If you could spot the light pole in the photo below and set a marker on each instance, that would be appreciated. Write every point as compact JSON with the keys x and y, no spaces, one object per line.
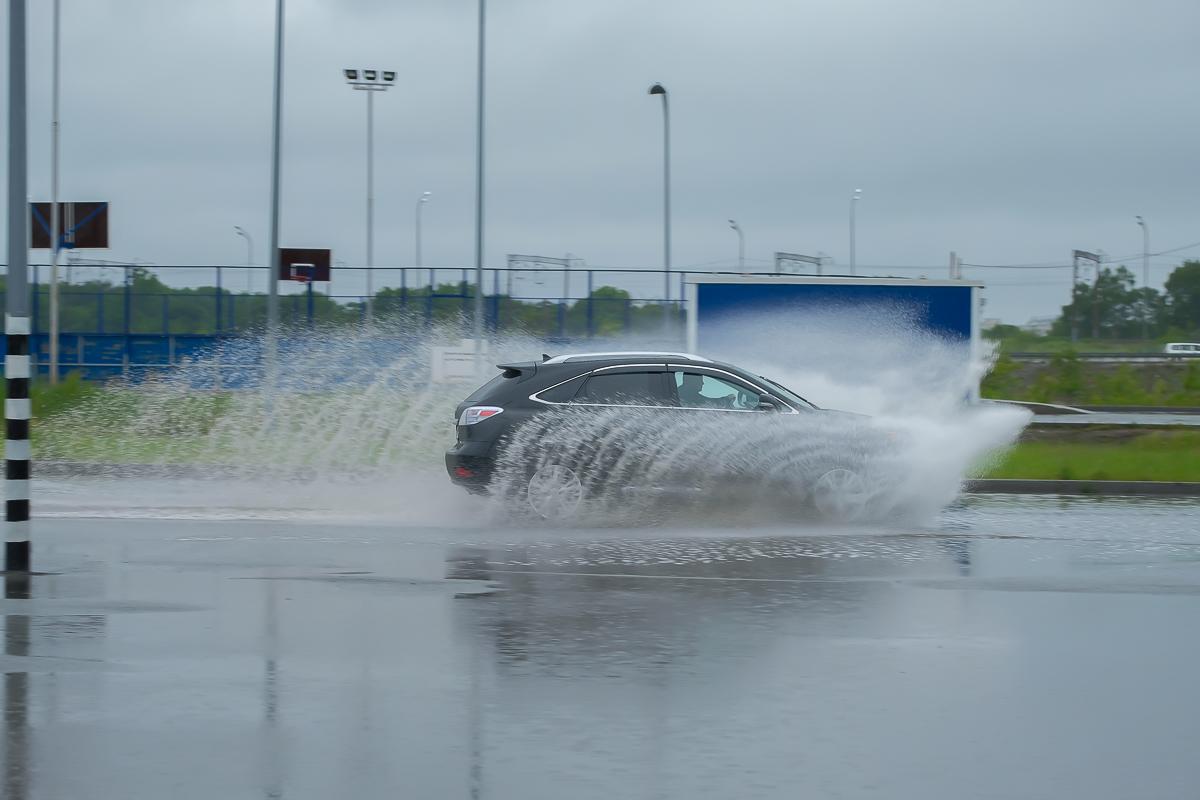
{"x":1145,"y":274}
{"x":477,"y":321}
{"x":240,"y":231}
{"x":661,"y":91}
{"x":741,"y":245}
{"x":273,"y":235}
{"x":369,"y":81}
{"x":419,"y":261}
{"x":55,"y":214}
{"x":853,"y":210}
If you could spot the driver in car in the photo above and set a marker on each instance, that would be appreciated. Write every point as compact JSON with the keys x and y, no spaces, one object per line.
{"x":690,"y":394}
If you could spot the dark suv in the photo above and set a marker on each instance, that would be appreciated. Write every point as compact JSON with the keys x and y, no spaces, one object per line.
{"x":548,"y":434}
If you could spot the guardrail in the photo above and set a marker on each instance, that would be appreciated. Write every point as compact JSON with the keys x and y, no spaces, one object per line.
{"x":1108,"y":356}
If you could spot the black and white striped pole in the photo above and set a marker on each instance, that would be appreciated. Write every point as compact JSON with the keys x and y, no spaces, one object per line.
{"x":16,"y":319}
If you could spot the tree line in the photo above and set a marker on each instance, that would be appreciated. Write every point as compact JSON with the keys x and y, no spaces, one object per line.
{"x":149,"y":306}
{"x":1113,"y":306}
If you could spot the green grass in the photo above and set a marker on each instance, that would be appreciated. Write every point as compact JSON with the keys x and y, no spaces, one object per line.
{"x":49,"y":400}
{"x":1157,"y":456}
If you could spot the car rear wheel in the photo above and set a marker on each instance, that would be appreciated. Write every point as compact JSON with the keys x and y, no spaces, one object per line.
{"x":554,"y":492}
{"x":841,"y":494}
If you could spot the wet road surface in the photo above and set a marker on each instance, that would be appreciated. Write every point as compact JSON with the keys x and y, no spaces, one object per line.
{"x":1016,"y":648}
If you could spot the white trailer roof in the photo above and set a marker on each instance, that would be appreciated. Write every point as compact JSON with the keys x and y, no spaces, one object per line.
{"x":829,"y":279}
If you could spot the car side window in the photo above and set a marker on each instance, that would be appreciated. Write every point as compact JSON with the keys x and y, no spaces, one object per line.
{"x":561,"y":393}
{"x":623,"y":389}
{"x":697,"y":390}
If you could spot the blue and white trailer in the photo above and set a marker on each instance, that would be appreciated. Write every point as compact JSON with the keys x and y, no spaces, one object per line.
{"x":945,"y":310}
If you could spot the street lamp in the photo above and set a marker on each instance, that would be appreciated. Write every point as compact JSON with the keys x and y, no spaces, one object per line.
{"x":853,"y":209}
{"x":1145,"y":274}
{"x":661,"y":91}
{"x":370,"y":81}
{"x":240,"y":231}
{"x":480,"y":94}
{"x":741,"y":245}
{"x":421,"y":201}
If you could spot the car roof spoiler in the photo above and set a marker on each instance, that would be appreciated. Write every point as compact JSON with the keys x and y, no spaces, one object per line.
{"x":523,"y":368}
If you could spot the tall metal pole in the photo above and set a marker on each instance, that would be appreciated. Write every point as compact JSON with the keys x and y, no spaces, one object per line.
{"x":249,"y":255}
{"x":55,"y":219}
{"x":479,"y":127}
{"x":370,"y":207}
{"x":418,"y":260}
{"x":16,"y":323}
{"x":853,"y":239}
{"x":741,"y":245}
{"x":276,"y":137}
{"x":661,"y":91}
{"x":1145,"y":275}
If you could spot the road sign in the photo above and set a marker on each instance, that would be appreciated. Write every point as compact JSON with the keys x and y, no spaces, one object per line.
{"x":304,"y":264}
{"x":82,"y":225}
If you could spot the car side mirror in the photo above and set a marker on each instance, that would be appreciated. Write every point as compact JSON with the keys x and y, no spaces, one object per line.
{"x":768,"y":402}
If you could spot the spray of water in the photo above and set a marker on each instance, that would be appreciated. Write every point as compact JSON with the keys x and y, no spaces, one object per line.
{"x":351,"y":425}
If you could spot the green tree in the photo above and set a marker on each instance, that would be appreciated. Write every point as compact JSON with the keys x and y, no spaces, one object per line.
{"x":1182,"y":307}
{"x":1110,"y":307}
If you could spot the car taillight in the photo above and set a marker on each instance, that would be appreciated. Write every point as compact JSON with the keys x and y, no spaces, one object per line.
{"x":475,"y":414}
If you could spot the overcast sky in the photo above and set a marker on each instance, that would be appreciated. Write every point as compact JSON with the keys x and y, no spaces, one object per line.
{"x":1011,"y":131}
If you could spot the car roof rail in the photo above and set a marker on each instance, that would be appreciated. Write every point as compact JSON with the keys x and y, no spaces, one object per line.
{"x":604,"y":356}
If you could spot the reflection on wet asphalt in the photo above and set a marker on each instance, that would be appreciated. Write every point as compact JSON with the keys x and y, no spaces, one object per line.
{"x":1017,"y":648}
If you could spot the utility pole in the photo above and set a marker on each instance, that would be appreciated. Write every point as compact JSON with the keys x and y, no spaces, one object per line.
{"x":1076,"y":257}
{"x":16,"y":323}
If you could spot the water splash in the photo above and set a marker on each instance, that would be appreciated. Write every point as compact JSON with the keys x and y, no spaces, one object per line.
{"x":352,"y":424}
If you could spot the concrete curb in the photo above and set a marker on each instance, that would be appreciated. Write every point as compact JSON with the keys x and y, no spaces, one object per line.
{"x":1099,"y":488}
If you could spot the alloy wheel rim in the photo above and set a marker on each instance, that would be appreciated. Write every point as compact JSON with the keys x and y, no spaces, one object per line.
{"x":554,"y":492}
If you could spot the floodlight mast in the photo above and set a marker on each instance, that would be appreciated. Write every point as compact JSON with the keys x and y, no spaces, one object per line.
{"x":370,"y":81}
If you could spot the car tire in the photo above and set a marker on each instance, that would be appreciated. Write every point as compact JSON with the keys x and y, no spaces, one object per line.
{"x":841,"y":495}
{"x":554,"y":492}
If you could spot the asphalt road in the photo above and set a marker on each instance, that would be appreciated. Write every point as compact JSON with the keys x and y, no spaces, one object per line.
{"x":1016,"y":647}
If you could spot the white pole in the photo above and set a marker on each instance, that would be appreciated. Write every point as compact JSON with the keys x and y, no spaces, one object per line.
{"x":479,"y":128}
{"x":55,"y":221}
{"x":370,"y":206}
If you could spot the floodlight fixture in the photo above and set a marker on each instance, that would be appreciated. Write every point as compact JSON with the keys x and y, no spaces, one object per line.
{"x":369,"y":74}
{"x":389,"y":76}
{"x":351,"y":74}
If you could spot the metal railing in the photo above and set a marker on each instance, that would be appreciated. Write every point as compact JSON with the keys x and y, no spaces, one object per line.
{"x":126,"y":319}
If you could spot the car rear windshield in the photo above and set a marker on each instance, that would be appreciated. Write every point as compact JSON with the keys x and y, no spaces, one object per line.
{"x":488,"y":388}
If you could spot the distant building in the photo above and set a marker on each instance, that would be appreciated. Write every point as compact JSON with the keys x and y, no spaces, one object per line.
{"x":1039,"y":325}
{"x":987,"y":323}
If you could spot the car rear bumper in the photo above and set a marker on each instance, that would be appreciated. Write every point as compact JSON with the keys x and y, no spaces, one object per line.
{"x":469,"y":465}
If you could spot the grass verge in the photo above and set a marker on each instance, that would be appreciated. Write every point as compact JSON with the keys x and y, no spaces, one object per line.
{"x":1155,"y":456}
